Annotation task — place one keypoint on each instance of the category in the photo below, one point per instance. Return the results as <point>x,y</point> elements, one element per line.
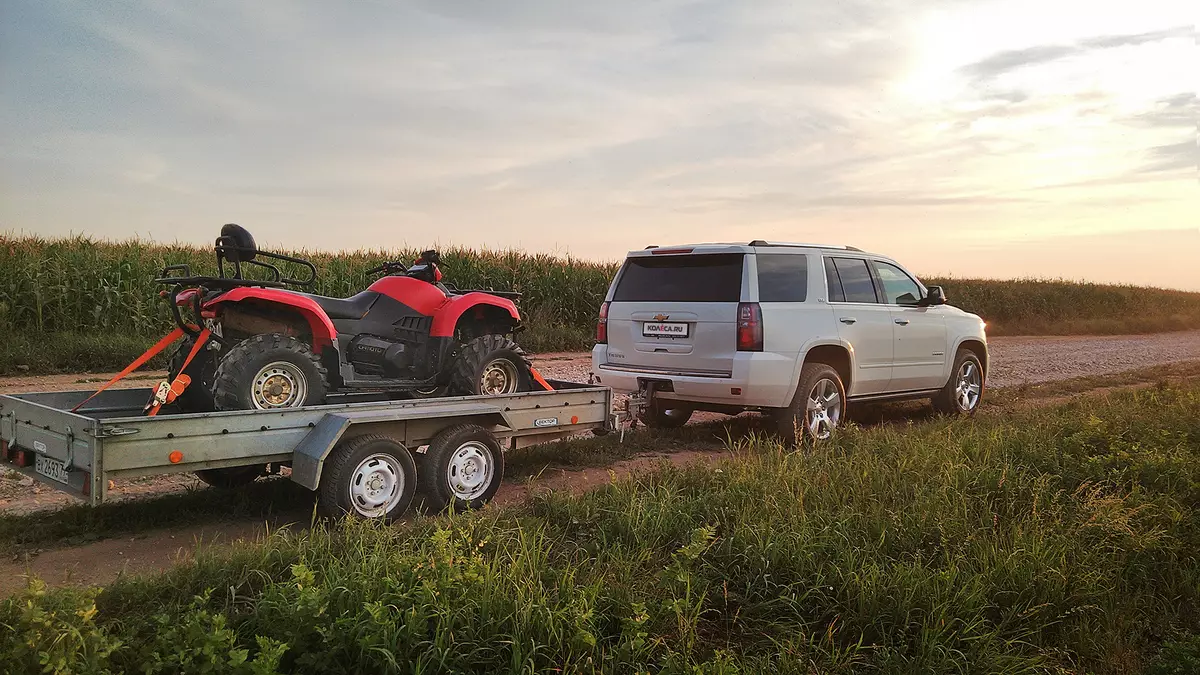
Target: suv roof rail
<point>650,247</point>
<point>763,243</point>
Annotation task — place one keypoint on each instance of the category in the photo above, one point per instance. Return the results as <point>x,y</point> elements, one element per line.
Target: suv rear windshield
<point>713,277</point>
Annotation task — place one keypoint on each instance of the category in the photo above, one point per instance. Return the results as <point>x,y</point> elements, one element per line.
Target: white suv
<point>793,330</point>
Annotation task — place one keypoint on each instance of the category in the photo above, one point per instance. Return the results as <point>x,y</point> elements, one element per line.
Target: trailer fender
<point>309,457</point>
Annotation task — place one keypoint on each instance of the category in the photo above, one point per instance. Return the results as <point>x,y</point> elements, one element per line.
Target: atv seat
<point>354,307</point>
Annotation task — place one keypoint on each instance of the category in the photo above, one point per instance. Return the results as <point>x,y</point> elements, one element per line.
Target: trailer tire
<point>267,372</point>
<point>463,468</point>
<point>370,476</point>
<point>491,365</point>
<point>232,477</point>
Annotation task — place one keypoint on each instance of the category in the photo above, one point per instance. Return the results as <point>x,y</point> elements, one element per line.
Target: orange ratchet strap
<point>139,362</point>
<point>168,392</point>
<point>537,377</point>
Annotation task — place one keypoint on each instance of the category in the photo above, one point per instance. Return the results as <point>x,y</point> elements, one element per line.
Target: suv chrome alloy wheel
<point>824,409</point>
<point>970,386</point>
<point>376,485</point>
<point>279,385</point>
<point>470,470</point>
<point>499,377</point>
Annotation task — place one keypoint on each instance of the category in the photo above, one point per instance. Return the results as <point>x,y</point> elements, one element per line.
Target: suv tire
<point>817,409</point>
<point>659,416</point>
<point>964,390</point>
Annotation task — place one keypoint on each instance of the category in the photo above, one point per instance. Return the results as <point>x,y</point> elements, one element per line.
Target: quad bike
<point>271,346</point>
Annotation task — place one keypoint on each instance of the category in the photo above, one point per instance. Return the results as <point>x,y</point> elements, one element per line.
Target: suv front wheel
<point>964,391</point>
<point>817,408</point>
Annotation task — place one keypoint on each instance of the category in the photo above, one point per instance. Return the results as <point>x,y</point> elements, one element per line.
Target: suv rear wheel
<point>661,416</point>
<point>817,408</point>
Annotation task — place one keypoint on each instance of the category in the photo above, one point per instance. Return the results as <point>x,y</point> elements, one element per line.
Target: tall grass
<point>60,293</point>
<point>1050,541</point>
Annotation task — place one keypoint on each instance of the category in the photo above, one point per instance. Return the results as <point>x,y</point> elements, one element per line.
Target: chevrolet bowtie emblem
<point>661,317</point>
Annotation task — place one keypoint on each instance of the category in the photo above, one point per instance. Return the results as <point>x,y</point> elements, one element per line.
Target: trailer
<point>366,457</point>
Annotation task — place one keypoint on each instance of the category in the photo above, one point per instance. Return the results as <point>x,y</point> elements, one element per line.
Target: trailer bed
<point>79,452</point>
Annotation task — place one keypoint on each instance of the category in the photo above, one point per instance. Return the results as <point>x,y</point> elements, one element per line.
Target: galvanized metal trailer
<point>365,458</point>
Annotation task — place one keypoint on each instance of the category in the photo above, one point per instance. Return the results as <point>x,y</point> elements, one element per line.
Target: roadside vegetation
<point>73,305</point>
<point>1040,539</point>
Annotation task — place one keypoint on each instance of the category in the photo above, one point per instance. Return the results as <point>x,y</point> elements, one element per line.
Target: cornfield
<point>84,285</point>
<point>80,303</point>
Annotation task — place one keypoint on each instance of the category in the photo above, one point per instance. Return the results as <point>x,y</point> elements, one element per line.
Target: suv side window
<point>898,287</point>
<point>833,282</point>
<point>782,277</point>
<point>856,282</point>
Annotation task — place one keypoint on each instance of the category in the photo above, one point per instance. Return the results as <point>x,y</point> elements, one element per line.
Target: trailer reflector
<point>4,450</point>
<point>175,456</point>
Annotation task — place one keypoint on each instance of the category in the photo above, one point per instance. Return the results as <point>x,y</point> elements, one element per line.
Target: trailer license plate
<point>51,468</point>
<point>665,329</point>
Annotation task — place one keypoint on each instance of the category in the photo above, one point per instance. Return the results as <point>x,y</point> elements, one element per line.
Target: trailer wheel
<point>463,466</point>
<point>368,477</point>
<point>231,477</point>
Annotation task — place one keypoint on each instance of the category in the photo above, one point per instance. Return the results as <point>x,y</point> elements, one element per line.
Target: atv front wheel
<point>269,371</point>
<point>491,365</point>
<point>198,396</point>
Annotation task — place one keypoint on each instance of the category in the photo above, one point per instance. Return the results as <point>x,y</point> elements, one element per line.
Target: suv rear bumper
<point>765,380</point>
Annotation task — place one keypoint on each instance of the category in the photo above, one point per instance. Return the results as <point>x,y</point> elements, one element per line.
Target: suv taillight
<point>602,325</point>
<point>749,328</point>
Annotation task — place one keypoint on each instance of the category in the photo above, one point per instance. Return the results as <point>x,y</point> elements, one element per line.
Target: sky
<point>1048,138</point>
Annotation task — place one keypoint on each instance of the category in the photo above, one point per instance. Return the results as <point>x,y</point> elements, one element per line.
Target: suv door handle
<point>847,320</point>
<point>901,322</point>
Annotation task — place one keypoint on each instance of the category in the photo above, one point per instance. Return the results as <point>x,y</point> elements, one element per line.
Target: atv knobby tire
<point>256,358</point>
<point>496,355</point>
<point>198,396</point>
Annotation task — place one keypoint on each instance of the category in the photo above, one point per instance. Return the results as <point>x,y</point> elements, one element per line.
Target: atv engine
<point>373,355</point>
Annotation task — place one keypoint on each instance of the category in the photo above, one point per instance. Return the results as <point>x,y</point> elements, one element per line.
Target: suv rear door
<point>863,321</point>
<point>676,313</point>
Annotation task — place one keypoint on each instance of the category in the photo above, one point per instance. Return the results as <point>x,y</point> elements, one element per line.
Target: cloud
<point>1007,61</point>
<point>1184,155</point>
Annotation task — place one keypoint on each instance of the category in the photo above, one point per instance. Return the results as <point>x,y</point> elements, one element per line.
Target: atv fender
<point>446,319</point>
<point>323,332</point>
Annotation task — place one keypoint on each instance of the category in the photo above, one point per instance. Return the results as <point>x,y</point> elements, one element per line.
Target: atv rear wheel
<point>198,396</point>
<point>491,365</point>
<point>269,371</point>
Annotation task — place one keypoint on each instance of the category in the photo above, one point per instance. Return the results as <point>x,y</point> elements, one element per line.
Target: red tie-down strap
<point>168,392</point>
<point>180,382</point>
<point>537,377</point>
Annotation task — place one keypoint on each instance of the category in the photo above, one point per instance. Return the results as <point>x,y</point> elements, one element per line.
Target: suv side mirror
<point>936,296</point>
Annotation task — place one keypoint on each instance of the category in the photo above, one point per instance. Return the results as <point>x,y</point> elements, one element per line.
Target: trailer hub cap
<point>376,485</point>
<point>469,473</point>
<point>279,385</point>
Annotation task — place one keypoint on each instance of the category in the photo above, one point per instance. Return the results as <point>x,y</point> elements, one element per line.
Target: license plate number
<point>665,329</point>
<point>51,468</point>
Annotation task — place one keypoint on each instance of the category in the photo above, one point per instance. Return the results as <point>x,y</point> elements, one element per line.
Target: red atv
<point>273,347</point>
